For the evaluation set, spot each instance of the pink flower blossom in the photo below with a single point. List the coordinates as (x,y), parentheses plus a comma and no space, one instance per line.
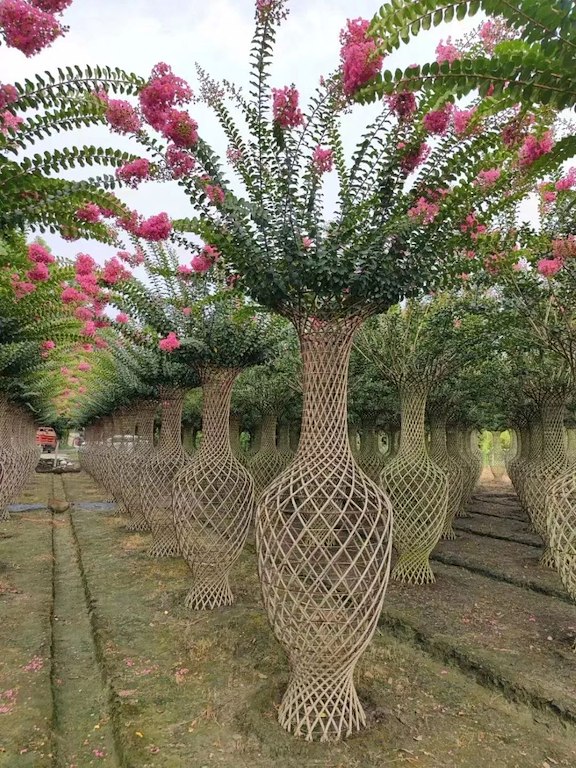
(89,284)
(100,342)
(323,160)
(180,162)
(424,210)
(415,157)
(184,270)
(520,266)
(170,343)
(200,263)
(114,271)
(567,182)
(39,274)
(71,295)
(131,223)
(358,55)
(89,328)
(83,313)
(564,248)
(27,28)
(155,228)
(21,288)
(307,243)
(285,110)
(9,122)
(214,193)
(549,267)
(81,390)
(402,104)
(234,155)
(122,116)
(135,172)
(163,91)
(437,120)
(84,367)
(8,95)
(39,254)
(447,51)
(87,347)
(186,311)
(533,148)
(488,178)
(461,119)
(181,129)
(84,264)
(89,212)
(51,6)
(122,317)
(64,370)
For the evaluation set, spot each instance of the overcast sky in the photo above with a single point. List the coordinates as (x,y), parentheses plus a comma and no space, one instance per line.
(136,34)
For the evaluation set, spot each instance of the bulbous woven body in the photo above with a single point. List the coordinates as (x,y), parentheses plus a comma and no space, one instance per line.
(213,499)
(157,479)
(451,467)
(268,462)
(119,456)
(370,460)
(134,466)
(497,466)
(418,491)
(531,456)
(552,465)
(323,533)
(561,523)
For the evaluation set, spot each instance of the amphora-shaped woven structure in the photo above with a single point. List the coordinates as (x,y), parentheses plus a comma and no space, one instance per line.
(10,466)
(370,459)
(268,462)
(323,533)
(497,466)
(157,479)
(418,490)
(561,525)
(438,452)
(135,464)
(553,465)
(455,445)
(213,499)
(124,422)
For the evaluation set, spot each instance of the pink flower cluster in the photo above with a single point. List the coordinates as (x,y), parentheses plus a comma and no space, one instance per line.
(358,55)
(135,172)
(549,267)
(155,228)
(285,109)
(9,122)
(493,32)
(488,178)
(567,182)
(204,260)
(170,343)
(89,212)
(414,157)
(32,26)
(21,287)
(8,95)
(181,129)
(214,193)
(424,210)
(179,162)
(447,51)
(402,104)
(122,317)
(84,367)
(122,117)
(564,248)
(322,160)
(163,91)
(39,254)
(114,271)
(472,227)
(461,119)
(438,120)
(534,148)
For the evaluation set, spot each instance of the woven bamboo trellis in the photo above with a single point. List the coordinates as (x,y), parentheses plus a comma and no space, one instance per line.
(323,533)
(516,451)
(213,499)
(438,452)
(135,463)
(553,465)
(370,460)
(267,464)
(9,459)
(284,445)
(561,526)
(418,490)
(235,444)
(497,466)
(255,439)
(571,445)
(123,447)
(471,443)
(531,453)
(354,440)
(157,478)
(455,444)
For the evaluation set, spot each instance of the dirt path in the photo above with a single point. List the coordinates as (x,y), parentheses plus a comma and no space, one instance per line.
(474,671)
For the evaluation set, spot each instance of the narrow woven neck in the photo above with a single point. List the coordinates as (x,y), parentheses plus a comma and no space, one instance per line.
(535,442)
(217,386)
(438,444)
(268,436)
(325,359)
(412,431)
(170,429)
(553,433)
(145,425)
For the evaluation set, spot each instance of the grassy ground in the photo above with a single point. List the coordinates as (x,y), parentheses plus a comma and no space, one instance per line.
(110,669)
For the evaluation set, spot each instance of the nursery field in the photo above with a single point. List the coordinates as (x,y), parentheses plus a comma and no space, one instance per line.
(101,664)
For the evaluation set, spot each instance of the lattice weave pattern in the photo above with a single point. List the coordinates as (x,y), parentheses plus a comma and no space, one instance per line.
(135,463)
(561,525)
(438,452)
(418,490)
(323,532)
(267,464)
(158,475)
(213,499)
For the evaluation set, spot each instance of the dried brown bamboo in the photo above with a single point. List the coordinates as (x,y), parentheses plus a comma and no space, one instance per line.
(323,531)
(267,464)
(157,478)
(213,499)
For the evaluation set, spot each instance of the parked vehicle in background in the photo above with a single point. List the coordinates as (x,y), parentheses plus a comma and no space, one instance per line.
(46,438)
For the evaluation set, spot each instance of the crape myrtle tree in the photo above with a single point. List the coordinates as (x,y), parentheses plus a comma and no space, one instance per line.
(419,187)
